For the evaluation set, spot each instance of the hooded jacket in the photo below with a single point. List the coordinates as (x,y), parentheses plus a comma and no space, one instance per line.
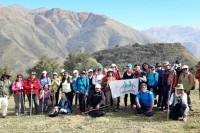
(5,87)
(36,86)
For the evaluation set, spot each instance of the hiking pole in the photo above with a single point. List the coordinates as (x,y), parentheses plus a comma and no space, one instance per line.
(169,93)
(42,101)
(31,100)
(20,104)
(76,100)
(95,109)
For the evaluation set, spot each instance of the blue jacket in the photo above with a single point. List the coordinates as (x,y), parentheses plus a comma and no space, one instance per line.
(82,85)
(152,79)
(64,104)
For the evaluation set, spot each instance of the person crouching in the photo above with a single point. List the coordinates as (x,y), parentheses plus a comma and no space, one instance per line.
(178,104)
(97,102)
(45,99)
(64,105)
(145,101)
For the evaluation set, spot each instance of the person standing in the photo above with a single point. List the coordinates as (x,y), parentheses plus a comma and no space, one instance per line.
(169,81)
(128,75)
(55,91)
(117,77)
(105,83)
(5,92)
(82,88)
(32,86)
(187,79)
(197,73)
(44,79)
(17,88)
(160,74)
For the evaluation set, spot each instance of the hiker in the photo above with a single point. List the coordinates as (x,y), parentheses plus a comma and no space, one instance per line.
(5,92)
(66,87)
(18,90)
(97,100)
(82,88)
(97,79)
(178,104)
(140,75)
(152,82)
(32,86)
(129,75)
(64,105)
(117,77)
(145,101)
(104,72)
(90,77)
(197,73)
(55,91)
(169,81)
(187,79)
(105,83)
(145,68)
(45,99)
(61,74)
(177,68)
(44,79)
(160,74)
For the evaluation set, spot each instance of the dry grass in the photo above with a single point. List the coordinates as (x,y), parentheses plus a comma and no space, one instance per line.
(113,122)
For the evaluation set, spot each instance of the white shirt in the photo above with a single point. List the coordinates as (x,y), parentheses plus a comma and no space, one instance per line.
(97,79)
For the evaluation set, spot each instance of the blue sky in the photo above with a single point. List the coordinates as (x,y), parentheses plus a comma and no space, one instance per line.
(139,14)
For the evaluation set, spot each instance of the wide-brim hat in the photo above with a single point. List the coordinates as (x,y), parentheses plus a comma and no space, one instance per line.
(179,87)
(166,63)
(6,74)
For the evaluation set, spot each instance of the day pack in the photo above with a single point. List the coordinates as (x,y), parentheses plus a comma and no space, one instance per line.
(196,82)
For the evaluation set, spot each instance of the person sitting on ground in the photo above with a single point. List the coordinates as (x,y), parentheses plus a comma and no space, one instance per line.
(178,104)
(96,102)
(45,99)
(145,101)
(64,105)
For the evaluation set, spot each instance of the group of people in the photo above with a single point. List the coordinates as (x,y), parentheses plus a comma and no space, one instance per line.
(163,85)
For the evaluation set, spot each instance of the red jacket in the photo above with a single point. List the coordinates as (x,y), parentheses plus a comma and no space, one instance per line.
(36,86)
(197,75)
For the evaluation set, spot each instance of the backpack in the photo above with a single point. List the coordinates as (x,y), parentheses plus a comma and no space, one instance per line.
(196,82)
(54,112)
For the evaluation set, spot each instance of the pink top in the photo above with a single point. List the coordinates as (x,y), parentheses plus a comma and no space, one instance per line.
(16,86)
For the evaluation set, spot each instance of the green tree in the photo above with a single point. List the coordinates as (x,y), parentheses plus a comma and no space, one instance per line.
(80,61)
(45,63)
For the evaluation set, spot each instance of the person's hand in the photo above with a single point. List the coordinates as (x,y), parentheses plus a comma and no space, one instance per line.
(86,94)
(32,86)
(97,107)
(77,92)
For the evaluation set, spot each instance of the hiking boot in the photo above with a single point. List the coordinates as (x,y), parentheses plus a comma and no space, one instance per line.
(16,114)
(4,116)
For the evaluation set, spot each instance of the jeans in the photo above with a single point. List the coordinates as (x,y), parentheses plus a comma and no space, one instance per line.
(19,103)
(165,93)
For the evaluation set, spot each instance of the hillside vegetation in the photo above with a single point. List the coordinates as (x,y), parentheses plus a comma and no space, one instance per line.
(151,53)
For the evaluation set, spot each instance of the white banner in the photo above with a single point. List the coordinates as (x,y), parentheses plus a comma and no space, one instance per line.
(121,87)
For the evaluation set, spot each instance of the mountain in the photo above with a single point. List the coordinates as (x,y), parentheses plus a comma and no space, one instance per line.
(27,34)
(151,53)
(188,36)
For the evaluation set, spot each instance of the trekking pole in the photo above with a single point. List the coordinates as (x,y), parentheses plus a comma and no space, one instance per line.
(31,100)
(76,100)
(20,104)
(95,109)
(42,101)
(169,93)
